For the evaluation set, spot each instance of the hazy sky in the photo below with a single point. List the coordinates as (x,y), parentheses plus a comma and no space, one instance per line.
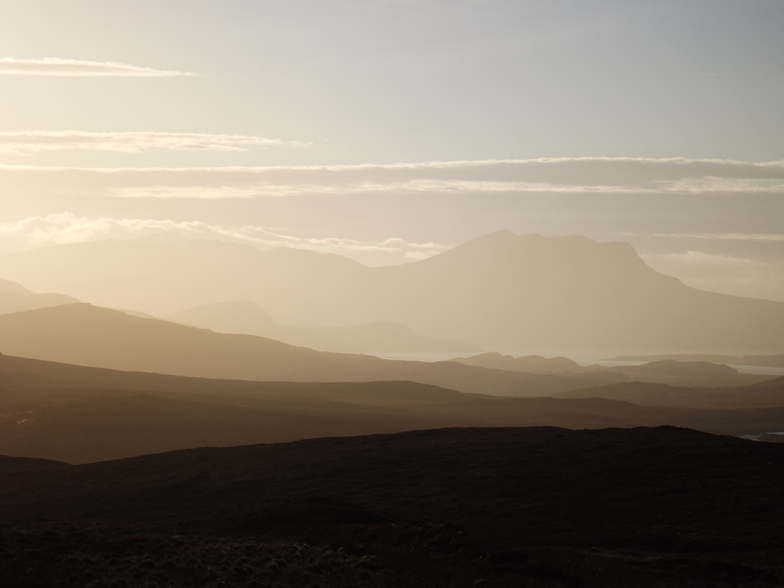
(391,129)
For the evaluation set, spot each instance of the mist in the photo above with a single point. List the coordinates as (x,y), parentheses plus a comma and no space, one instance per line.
(391,293)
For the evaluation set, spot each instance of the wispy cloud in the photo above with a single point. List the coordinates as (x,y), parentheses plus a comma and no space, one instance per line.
(578,176)
(51,66)
(27,143)
(64,228)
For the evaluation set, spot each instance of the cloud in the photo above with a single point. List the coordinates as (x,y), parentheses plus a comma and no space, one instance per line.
(27,143)
(64,228)
(575,176)
(50,66)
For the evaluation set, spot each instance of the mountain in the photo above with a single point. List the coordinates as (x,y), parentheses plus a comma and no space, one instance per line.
(760,395)
(16,298)
(676,373)
(248,318)
(498,290)
(749,360)
(688,373)
(526,363)
(534,507)
(83,334)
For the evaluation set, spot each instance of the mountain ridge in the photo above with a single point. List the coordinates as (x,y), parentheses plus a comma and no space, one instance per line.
(88,335)
(500,290)
(248,318)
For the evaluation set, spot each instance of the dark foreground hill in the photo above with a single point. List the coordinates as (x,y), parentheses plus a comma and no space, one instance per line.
(453,507)
(79,414)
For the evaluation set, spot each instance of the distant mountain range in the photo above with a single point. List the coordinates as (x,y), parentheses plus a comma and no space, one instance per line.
(15,298)
(498,290)
(87,335)
(749,360)
(662,371)
(767,394)
(248,318)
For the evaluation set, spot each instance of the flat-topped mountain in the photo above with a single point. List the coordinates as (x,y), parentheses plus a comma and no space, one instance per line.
(497,290)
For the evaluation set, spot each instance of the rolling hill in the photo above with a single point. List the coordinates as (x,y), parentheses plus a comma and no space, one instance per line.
(86,335)
(763,394)
(80,414)
(665,371)
(535,507)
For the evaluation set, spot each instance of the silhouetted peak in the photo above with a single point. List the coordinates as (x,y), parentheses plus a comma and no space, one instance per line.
(8,286)
(568,249)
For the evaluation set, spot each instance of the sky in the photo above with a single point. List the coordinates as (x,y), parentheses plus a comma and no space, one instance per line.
(391,130)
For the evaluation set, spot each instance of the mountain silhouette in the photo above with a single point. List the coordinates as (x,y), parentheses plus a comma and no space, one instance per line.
(81,414)
(526,363)
(497,290)
(767,394)
(248,318)
(84,334)
(747,360)
(677,373)
(16,298)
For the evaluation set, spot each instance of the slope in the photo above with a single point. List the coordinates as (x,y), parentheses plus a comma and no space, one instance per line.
(248,318)
(764,394)
(83,334)
(510,507)
(497,290)
(16,298)
(78,414)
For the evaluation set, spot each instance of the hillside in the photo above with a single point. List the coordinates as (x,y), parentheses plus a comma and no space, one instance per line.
(16,298)
(79,414)
(497,290)
(510,507)
(526,363)
(83,334)
(749,360)
(666,371)
(248,318)
(764,394)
